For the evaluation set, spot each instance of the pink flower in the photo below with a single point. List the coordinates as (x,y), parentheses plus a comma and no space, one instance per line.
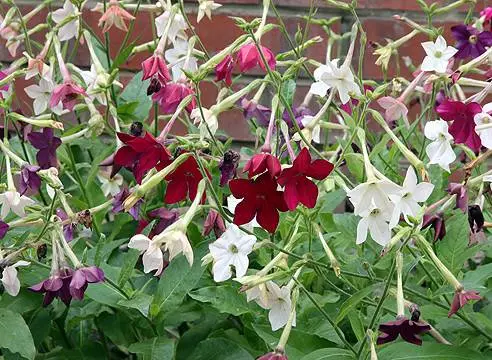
(463,126)
(223,70)
(461,298)
(171,95)
(114,15)
(486,14)
(249,57)
(394,108)
(276,355)
(156,67)
(67,93)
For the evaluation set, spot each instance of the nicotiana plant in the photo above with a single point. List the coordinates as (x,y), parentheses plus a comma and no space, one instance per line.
(355,226)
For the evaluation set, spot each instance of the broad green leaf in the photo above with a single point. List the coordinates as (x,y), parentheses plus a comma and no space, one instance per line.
(329,354)
(288,90)
(355,164)
(136,90)
(140,302)
(428,351)
(129,261)
(219,349)
(478,277)
(157,348)
(331,200)
(225,298)
(15,335)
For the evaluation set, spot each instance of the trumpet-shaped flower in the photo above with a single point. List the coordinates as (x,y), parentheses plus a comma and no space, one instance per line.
(11,200)
(471,42)
(153,258)
(280,305)
(179,60)
(10,281)
(259,163)
(71,29)
(183,182)
(41,95)
(176,29)
(110,186)
(47,143)
(374,193)
(438,55)
(231,249)
(376,221)
(439,150)
(208,123)
(249,57)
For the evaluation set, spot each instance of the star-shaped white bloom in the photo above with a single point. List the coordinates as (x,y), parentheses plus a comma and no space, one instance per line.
(41,95)
(207,126)
(110,186)
(231,249)
(152,254)
(411,194)
(12,200)
(10,281)
(231,206)
(178,60)
(439,150)
(280,305)
(339,79)
(376,220)
(484,120)
(375,192)
(90,78)
(206,7)
(177,28)
(438,55)
(71,29)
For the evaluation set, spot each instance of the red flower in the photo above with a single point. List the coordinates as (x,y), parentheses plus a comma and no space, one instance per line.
(260,198)
(463,127)
(298,188)
(183,181)
(223,70)
(461,298)
(141,154)
(248,57)
(170,96)
(260,163)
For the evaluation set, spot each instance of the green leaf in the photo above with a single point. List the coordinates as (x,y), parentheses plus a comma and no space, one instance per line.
(154,349)
(477,278)
(329,354)
(428,351)
(15,335)
(136,90)
(355,164)
(354,300)
(140,302)
(288,90)
(225,298)
(129,261)
(219,349)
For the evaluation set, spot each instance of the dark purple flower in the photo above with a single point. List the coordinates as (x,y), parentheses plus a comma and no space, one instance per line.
(118,204)
(251,109)
(47,144)
(56,286)
(475,218)
(4,227)
(214,222)
(29,178)
(435,221)
(461,195)
(164,218)
(228,166)
(471,42)
(407,329)
(68,229)
(82,277)
(461,298)
(299,112)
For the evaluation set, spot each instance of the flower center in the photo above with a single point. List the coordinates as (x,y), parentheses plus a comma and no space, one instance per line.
(375,212)
(406,195)
(233,249)
(473,39)
(486,120)
(438,54)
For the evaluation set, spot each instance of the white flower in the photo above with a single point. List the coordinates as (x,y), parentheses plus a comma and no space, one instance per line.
(375,220)
(71,29)
(231,248)
(206,7)
(9,279)
(90,78)
(176,242)
(484,118)
(178,60)
(411,194)
(207,126)
(12,200)
(231,206)
(110,186)
(153,257)
(259,294)
(280,305)
(340,79)
(438,55)
(439,150)
(41,94)
(177,28)
(309,131)
(374,192)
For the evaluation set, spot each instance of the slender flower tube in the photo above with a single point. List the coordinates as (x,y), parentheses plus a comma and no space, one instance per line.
(335,265)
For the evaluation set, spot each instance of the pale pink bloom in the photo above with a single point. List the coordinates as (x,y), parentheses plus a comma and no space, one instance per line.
(394,108)
(114,15)
(155,66)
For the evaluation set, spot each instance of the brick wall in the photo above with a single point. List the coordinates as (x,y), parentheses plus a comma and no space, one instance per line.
(376,16)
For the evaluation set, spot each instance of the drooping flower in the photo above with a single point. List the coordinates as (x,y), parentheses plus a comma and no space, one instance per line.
(376,221)
(153,258)
(171,95)
(56,286)
(438,55)
(10,281)
(408,329)
(299,113)
(482,120)
(312,129)
(164,219)
(110,185)
(120,198)
(183,182)
(435,221)
(259,163)
(114,15)
(461,195)
(155,67)
(475,218)
(471,42)
(82,277)
(47,143)
(69,227)
(223,70)
(463,126)
(248,57)
(29,178)
(214,222)
(67,93)
(461,298)
(439,150)
(228,166)
(206,120)
(298,187)
(231,249)
(411,194)
(280,305)
(261,198)
(71,29)
(11,200)
(206,7)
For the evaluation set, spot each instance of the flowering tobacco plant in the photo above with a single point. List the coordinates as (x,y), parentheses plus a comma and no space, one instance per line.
(139,219)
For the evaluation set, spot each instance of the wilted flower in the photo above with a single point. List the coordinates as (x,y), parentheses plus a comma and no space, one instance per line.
(214,222)
(10,281)
(461,298)
(228,166)
(461,195)
(475,218)
(435,221)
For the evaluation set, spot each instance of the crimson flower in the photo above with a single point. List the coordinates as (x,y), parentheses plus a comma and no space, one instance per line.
(183,181)
(47,144)
(298,188)
(463,126)
(261,198)
(67,93)
(155,67)
(461,298)
(471,42)
(223,70)
(249,57)
(141,154)
(262,162)
(408,330)
(171,95)
(56,286)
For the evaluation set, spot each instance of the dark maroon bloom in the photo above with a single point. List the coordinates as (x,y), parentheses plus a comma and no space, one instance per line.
(251,109)
(436,222)
(68,229)
(475,218)
(47,144)
(223,70)
(262,162)
(82,277)
(261,198)
(471,42)
(461,298)
(183,182)
(164,218)
(171,95)
(67,93)
(298,188)
(461,195)
(29,178)
(214,222)
(4,227)
(56,286)
(407,329)
(249,57)
(228,166)
(463,126)
(118,201)
(275,355)
(154,86)
(141,154)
